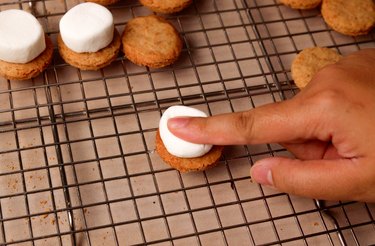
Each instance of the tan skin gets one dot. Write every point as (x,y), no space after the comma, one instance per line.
(329,127)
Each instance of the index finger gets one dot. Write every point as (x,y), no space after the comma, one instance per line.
(278,122)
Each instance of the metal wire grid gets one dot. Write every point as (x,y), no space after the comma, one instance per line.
(77,161)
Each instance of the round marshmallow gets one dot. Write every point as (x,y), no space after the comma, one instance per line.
(176,146)
(21,36)
(87,27)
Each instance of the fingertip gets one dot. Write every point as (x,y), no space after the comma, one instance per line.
(188,129)
(178,122)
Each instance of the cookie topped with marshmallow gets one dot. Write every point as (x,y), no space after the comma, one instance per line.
(25,51)
(180,154)
(88,39)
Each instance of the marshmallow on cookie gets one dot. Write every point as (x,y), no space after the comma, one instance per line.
(22,36)
(182,155)
(25,51)
(175,145)
(87,27)
(88,39)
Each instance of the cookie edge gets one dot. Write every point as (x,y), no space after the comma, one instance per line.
(296,64)
(70,56)
(181,164)
(133,55)
(31,69)
(103,2)
(301,5)
(159,9)
(340,27)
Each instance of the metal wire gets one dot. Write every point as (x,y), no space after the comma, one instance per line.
(77,159)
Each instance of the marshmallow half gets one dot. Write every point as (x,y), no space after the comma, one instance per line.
(21,37)
(87,27)
(175,145)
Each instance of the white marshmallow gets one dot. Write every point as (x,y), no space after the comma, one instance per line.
(176,146)
(21,36)
(87,27)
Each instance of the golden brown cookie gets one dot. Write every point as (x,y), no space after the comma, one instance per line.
(349,17)
(18,71)
(301,4)
(151,41)
(166,6)
(309,61)
(103,2)
(188,164)
(91,60)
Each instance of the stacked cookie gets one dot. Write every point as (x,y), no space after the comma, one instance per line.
(349,17)
(152,41)
(25,51)
(180,154)
(88,39)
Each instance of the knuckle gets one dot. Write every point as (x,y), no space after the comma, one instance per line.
(364,190)
(330,100)
(360,181)
(333,70)
(244,125)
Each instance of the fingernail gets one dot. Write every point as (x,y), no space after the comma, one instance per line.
(261,172)
(178,122)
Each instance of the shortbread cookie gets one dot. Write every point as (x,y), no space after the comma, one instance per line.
(188,164)
(151,41)
(309,61)
(301,4)
(25,51)
(87,27)
(175,145)
(88,39)
(166,6)
(19,71)
(349,17)
(22,38)
(103,2)
(91,60)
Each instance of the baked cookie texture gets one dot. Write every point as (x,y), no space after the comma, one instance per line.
(17,71)
(151,41)
(309,61)
(166,6)
(103,2)
(188,164)
(349,17)
(91,60)
(301,4)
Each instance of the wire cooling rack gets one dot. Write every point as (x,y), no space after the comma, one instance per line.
(77,159)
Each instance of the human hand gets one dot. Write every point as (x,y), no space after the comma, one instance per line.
(329,126)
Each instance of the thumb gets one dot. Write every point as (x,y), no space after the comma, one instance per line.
(340,179)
